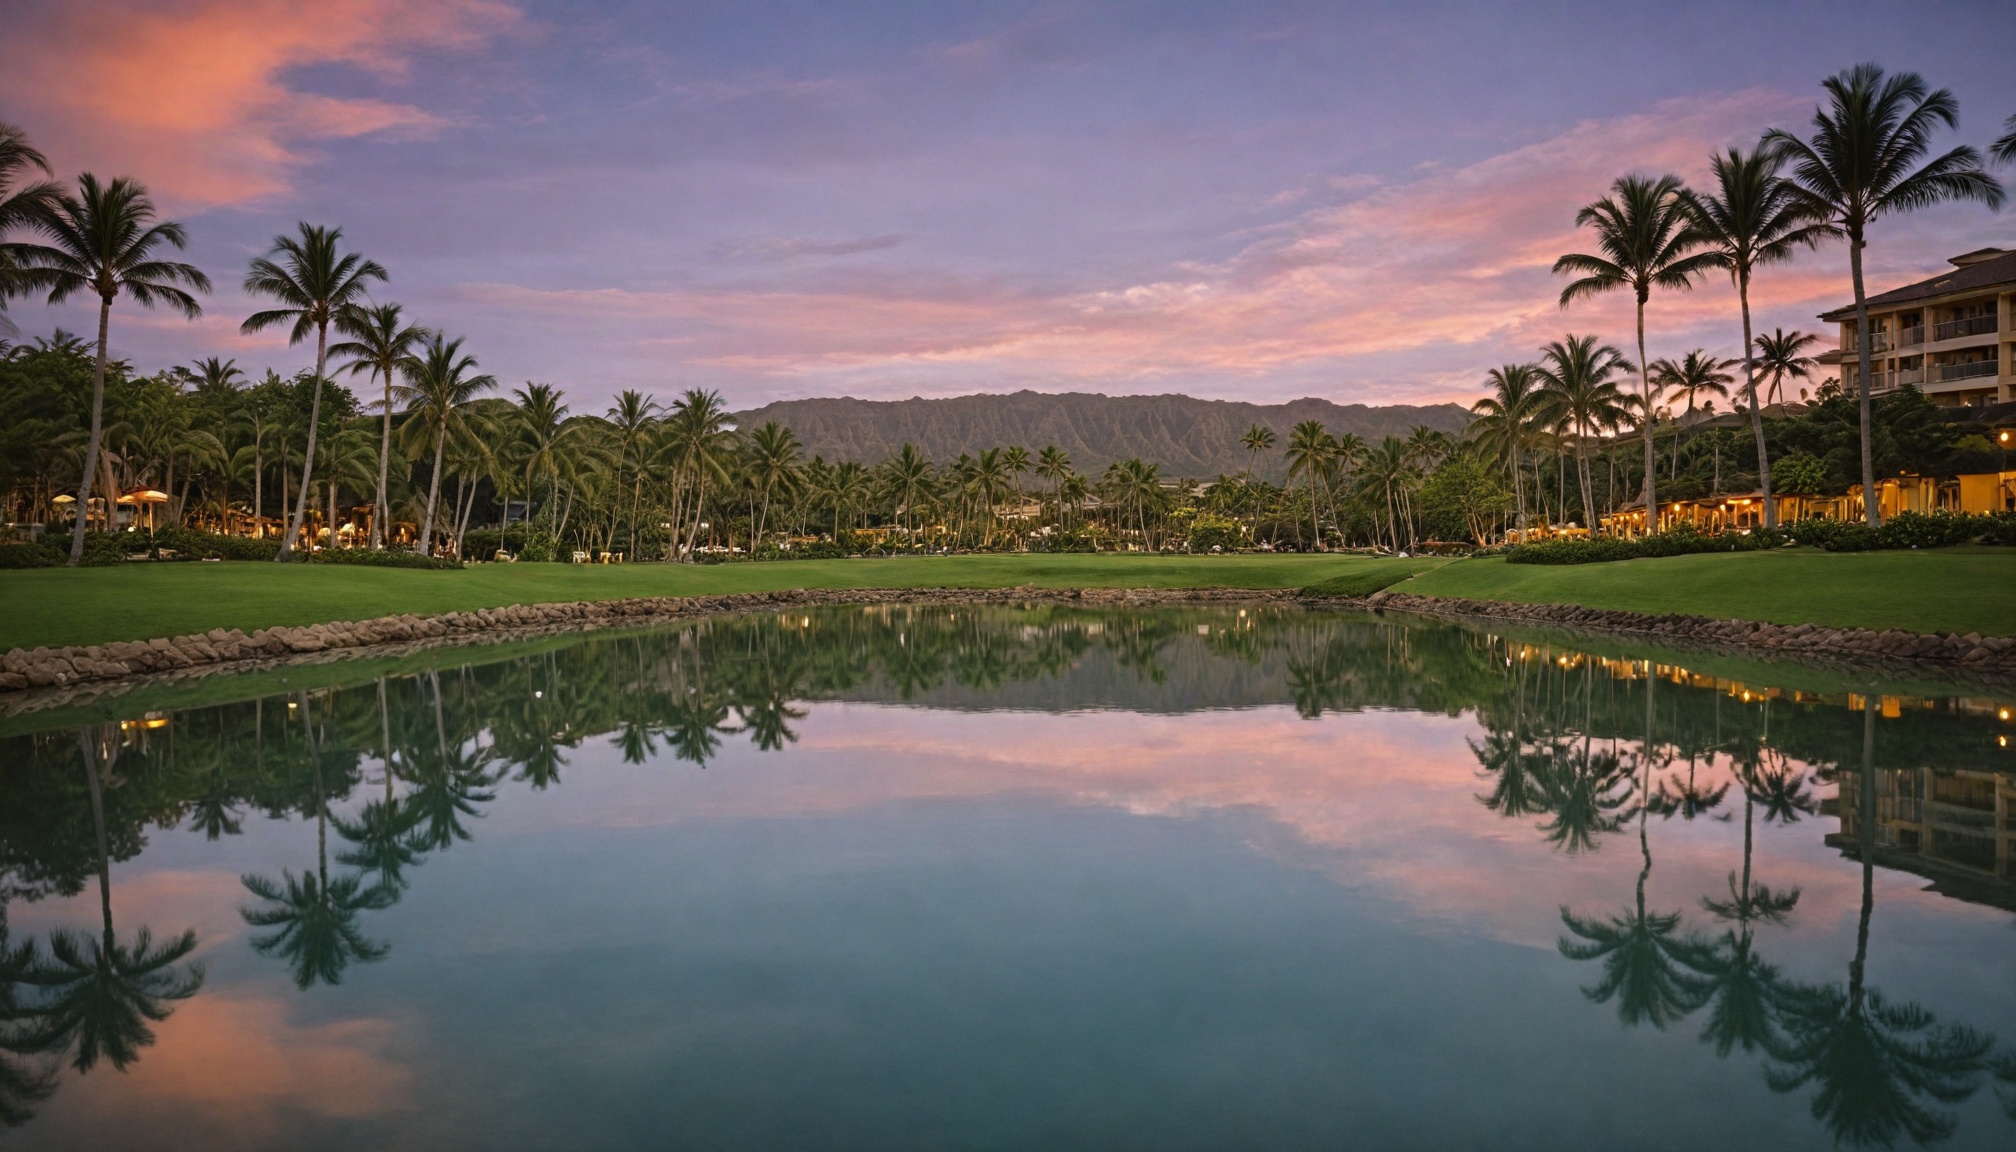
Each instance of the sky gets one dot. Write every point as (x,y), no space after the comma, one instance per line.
(1259,201)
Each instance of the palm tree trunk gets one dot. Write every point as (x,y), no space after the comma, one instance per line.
(1871,511)
(423,546)
(308,457)
(91,445)
(259,483)
(1651,453)
(1756,409)
(380,511)
(1865,836)
(1582,476)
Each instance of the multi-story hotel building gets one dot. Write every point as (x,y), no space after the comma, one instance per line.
(1953,336)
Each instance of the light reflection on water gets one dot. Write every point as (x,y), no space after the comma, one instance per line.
(1000,878)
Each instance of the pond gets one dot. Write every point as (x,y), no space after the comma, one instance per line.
(1014,878)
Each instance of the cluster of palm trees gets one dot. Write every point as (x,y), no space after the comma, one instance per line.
(1865,159)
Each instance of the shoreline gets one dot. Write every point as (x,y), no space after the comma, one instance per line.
(33,680)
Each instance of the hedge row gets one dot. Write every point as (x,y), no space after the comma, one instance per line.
(1680,541)
(1909,530)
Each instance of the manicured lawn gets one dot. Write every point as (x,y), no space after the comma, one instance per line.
(1949,590)
(141,601)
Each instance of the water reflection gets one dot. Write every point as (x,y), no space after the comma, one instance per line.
(1585,754)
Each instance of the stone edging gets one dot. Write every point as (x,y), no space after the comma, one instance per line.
(1972,652)
(112,665)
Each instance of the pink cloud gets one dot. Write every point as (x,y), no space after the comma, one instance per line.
(195,95)
(1447,271)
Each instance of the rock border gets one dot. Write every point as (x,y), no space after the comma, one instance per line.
(1991,655)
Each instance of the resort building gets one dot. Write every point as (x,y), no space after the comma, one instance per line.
(1953,336)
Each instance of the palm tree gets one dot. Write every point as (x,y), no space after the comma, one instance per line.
(632,418)
(1309,446)
(773,466)
(1579,396)
(315,285)
(1782,354)
(1859,166)
(438,384)
(105,994)
(2003,151)
(696,446)
(1645,234)
(1696,374)
(22,1086)
(21,205)
(381,342)
(1753,218)
(1503,422)
(906,479)
(104,241)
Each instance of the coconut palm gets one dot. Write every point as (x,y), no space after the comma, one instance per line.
(102,996)
(439,382)
(23,1085)
(1862,164)
(1309,448)
(906,483)
(1503,422)
(696,447)
(315,284)
(1754,217)
(1782,354)
(773,456)
(380,341)
(1579,397)
(1644,231)
(105,240)
(23,201)
(632,420)
(1694,375)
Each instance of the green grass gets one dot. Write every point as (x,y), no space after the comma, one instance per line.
(1946,590)
(1949,590)
(142,601)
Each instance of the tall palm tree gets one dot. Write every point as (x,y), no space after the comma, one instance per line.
(1503,422)
(1580,398)
(774,453)
(1783,354)
(380,341)
(1645,234)
(1862,164)
(315,284)
(1694,375)
(632,419)
(1753,218)
(1309,446)
(105,240)
(696,445)
(22,203)
(906,480)
(439,382)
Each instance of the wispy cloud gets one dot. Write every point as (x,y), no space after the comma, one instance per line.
(788,248)
(204,97)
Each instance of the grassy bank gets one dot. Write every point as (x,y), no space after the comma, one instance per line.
(141,601)
(1948,590)
(1951,590)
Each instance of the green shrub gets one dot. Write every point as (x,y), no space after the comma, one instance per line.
(1680,541)
(1909,530)
(189,544)
(400,558)
(542,547)
(30,556)
(1216,532)
(1357,585)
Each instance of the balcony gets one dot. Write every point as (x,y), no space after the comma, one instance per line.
(1879,341)
(1971,326)
(1946,372)
(1911,337)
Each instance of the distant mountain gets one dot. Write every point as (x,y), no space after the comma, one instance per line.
(1186,436)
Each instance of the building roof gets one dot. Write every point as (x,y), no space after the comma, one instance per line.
(1974,271)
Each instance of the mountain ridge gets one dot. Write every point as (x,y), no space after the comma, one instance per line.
(1187,436)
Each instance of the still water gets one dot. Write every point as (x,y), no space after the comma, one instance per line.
(1000,878)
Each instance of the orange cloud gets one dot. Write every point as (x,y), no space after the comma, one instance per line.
(194,97)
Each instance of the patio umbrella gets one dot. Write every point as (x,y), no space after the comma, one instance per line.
(149,497)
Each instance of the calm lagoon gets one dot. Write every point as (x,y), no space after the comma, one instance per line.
(999,878)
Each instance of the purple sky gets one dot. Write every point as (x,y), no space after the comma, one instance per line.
(1256,200)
